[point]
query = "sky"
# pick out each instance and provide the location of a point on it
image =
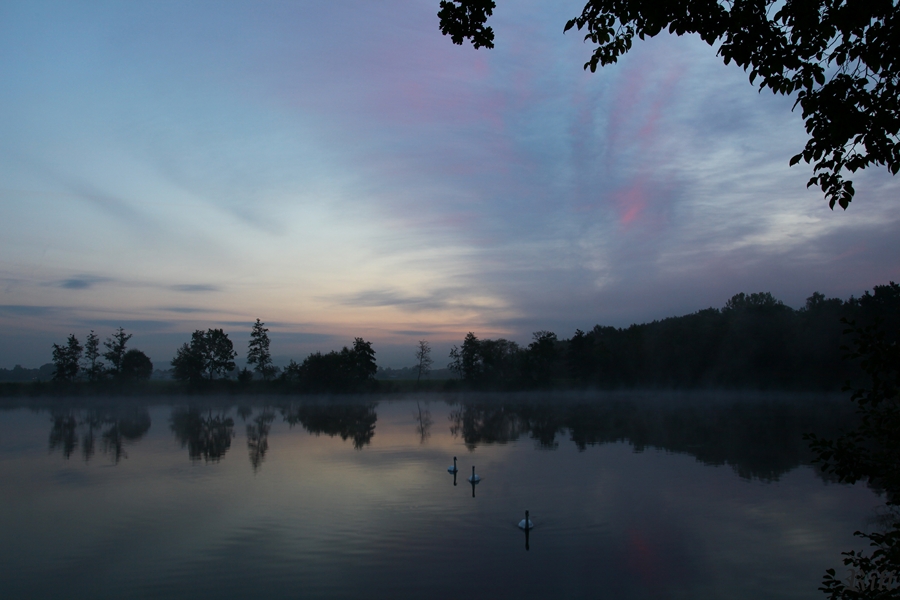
(341, 169)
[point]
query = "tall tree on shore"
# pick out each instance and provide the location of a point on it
(92, 364)
(839, 58)
(221, 353)
(423, 360)
(115, 351)
(467, 362)
(363, 360)
(136, 366)
(210, 353)
(188, 364)
(258, 351)
(66, 359)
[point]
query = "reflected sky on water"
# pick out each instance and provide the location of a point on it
(677, 497)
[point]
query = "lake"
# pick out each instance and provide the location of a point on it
(632, 496)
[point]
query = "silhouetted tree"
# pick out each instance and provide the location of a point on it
(220, 353)
(93, 367)
(210, 353)
(136, 366)
(115, 351)
(870, 452)
(189, 364)
(66, 359)
(579, 359)
(351, 369)
(466, 361)
(258, 353)
(837, 56)
(363, 360)
(541, 357)
(423, 360)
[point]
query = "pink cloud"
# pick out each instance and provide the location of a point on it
(631, 201)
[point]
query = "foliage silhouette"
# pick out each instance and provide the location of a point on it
(838, 57)
(753, 342)
(136, 366)
(66, 359)
(870, 452)
(258, 353)
(93, 367)
(350, 370)
(115, 351)
(210, 353)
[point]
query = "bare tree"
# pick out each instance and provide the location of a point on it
(423, 360)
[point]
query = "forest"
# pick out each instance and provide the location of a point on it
(753, 342)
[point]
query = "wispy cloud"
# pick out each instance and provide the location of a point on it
(194, 288)
(82, 282)
(27, 310)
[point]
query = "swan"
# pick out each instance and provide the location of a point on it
(526, 523)
(474, 478)
(453, 469)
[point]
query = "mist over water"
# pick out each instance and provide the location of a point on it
(673, 496)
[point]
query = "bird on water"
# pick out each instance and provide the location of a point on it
(453, 468)
(474, 478)
(526, 523)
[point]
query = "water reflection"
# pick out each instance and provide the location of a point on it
(423, 422)
(258, 437)
(206, 436)
(350, 421)
(63, 434)
(115, 426)
(758, 439)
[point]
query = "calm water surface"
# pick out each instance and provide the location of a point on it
(632, 497)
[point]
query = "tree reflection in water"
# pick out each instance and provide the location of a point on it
(423, 422)
(258, 437)
(63, 433)
(350, 421)
(207, 437)
(758, 439)
(115, 426)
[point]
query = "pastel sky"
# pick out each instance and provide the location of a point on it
(341, 169)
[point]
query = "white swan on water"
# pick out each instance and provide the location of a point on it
(474, 478)
(453, 469)
(526, 523)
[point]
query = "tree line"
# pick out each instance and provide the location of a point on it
(209, 356)
(754, 341)
(72, 361)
